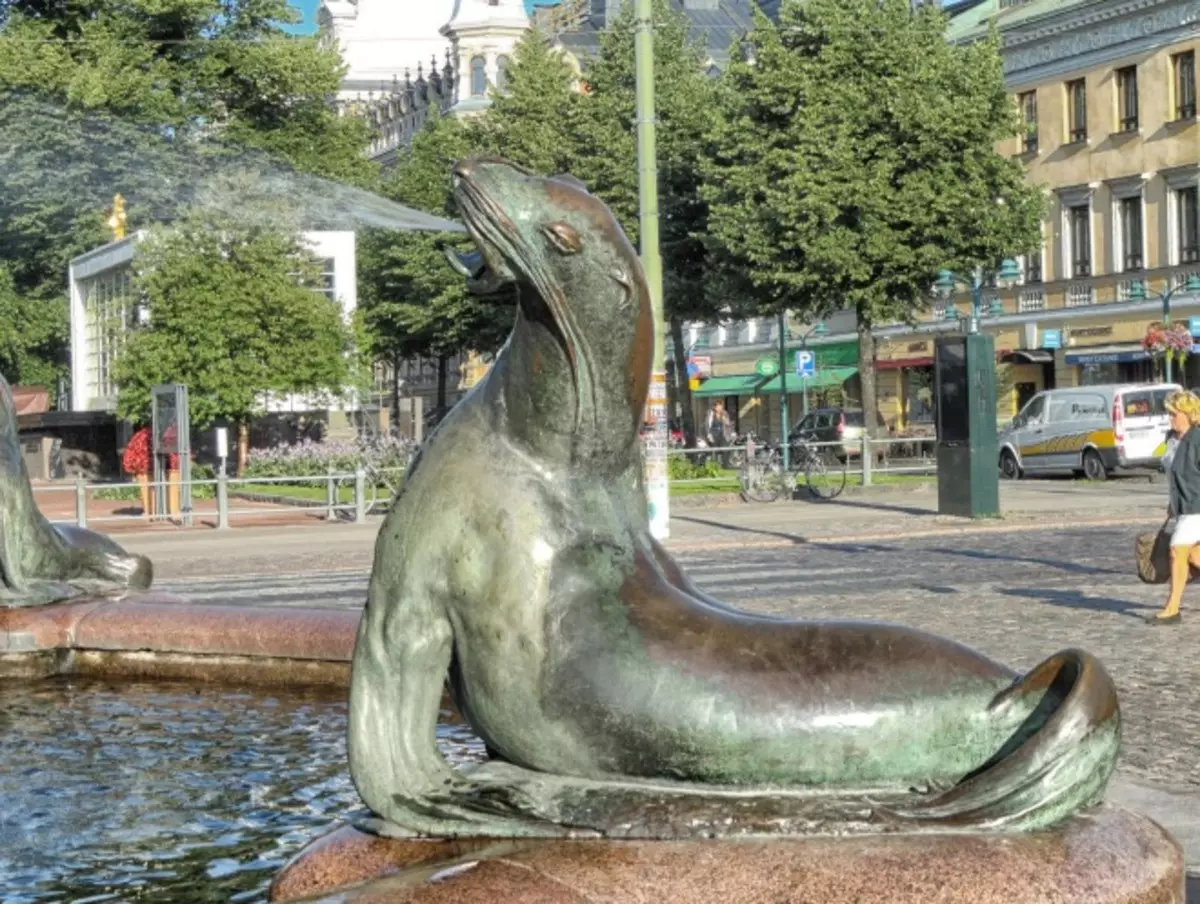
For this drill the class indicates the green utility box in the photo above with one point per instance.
(968, 452)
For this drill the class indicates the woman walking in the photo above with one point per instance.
(1183, 472)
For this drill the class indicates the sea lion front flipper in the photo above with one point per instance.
(401, 658)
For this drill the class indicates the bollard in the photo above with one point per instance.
(80, 501)
(331, 499)
(360, 496)
(222, 499)
(868, 460)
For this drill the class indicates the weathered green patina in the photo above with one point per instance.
(44, 563)
(615, 696)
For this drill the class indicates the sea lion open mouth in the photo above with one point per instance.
(485, 269)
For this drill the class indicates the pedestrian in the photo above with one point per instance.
(1182, 466)
(718, 429)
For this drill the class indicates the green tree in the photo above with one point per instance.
(856, 158)
(233, 313)
(686, 111)
(28, 330)
(414, 303)
(535, 120)
(79, 77)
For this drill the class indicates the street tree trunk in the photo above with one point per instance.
(243, 447)
(866, 374)
(395, 430)
(683, 388)
(441, 387)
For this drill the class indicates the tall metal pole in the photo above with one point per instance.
(783, 399)
(1166, 323)
(657, 488)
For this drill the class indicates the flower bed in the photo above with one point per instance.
(313, 459)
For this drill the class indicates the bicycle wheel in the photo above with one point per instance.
(825, 480)
(763, 481)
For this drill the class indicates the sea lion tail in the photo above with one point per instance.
(1056, 763)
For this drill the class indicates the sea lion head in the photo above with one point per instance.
(584, 307)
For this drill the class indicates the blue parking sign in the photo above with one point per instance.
(806, 363)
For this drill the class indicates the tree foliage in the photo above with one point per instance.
(856, 158)
(232, 313)
(94, 94)
(29, 328)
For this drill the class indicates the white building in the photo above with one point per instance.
(103, 308)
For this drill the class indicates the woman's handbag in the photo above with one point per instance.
(1153, 554)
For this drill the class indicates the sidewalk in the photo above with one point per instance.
(308, 544)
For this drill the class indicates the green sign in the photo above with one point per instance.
(766, 366)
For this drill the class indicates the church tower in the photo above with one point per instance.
(482, 34)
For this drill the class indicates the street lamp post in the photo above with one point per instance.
(948, 281)
(1139, 292)
(657, 487)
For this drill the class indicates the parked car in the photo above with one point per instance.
(1093, 430)
(835, 425)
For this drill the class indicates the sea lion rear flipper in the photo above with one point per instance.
(1057, 762)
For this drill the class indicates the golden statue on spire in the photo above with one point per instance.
(116, 219)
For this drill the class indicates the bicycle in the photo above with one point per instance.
(764, 479)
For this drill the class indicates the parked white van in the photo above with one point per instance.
(1093, 430)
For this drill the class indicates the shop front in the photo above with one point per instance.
(1124, 363)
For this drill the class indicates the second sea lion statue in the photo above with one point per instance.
(43, 563)
(615, 697)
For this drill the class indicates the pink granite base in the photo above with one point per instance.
(1110, 856)
(159, 635)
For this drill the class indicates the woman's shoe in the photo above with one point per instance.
(1164, 620)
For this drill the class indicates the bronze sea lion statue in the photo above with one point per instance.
(614, 696)
(44, 563)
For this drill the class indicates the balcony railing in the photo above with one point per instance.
(1080, 294)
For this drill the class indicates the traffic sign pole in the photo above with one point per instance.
(783, 399)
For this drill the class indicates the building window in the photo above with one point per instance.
(1187, 224)
(478, 76)
(1031, 300)
(501, 74)
(1129, 226)
(109, 314)
(1033, 268)
(1077, 111)
(1183, 67)
(326, 287)
(1029, 118)
(1079, 224)
(1127, 99)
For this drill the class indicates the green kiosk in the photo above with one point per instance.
(967, 448)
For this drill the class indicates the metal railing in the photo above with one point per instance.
(865, 458)
(365, 498)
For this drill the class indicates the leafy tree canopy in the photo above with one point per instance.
(856, 158)
(232, 313)
(100, 97)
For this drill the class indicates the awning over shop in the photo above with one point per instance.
(897, 363)
(1028, 356)
(738, 384)
(825, 378)
(1108, 354)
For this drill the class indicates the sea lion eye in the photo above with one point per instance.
(563, 237)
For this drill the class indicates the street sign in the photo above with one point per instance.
(1194, 326)
(806, 364)
(766, 366)
(699, 366)
(1051, 338)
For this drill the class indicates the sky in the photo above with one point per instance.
(309, 8)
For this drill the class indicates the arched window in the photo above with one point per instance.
(501, 74)
(478, 77)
